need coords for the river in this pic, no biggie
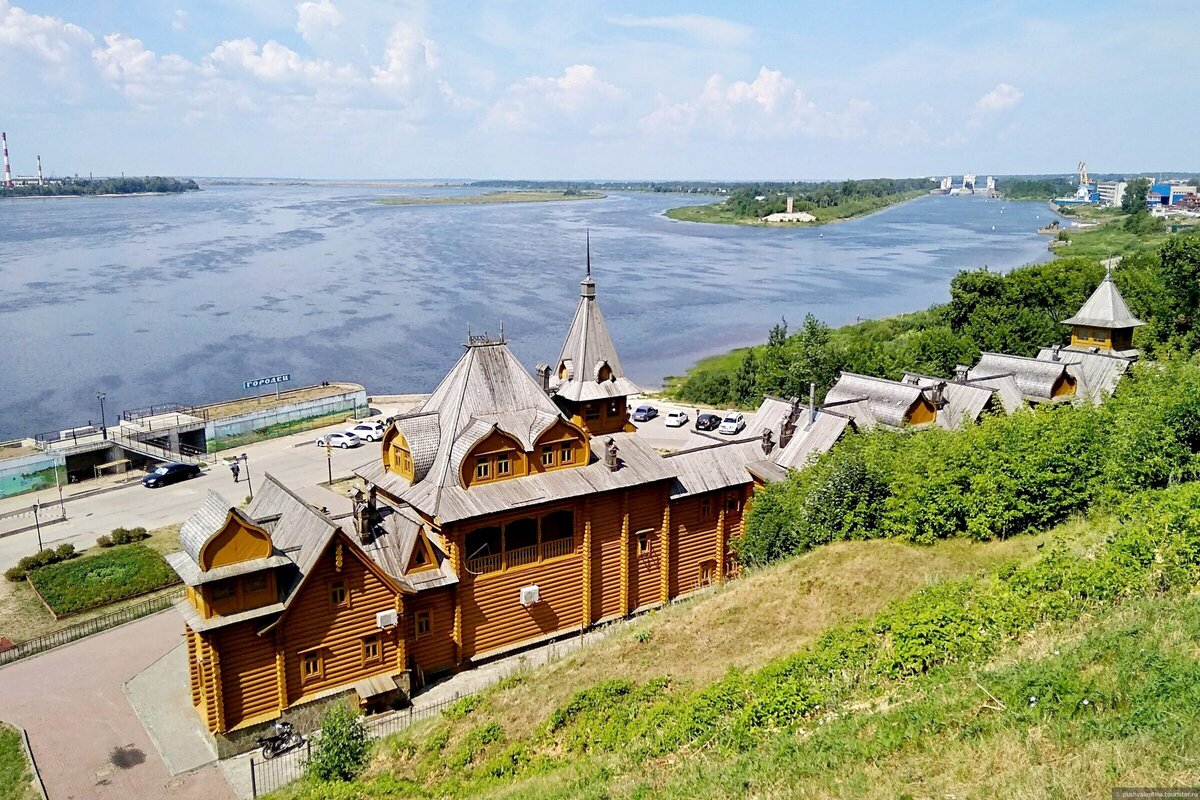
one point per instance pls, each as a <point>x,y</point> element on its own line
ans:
<point>181,298</point>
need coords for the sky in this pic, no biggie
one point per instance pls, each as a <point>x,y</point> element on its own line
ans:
<point>780,90</point>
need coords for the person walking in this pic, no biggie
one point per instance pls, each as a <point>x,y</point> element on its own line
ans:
<point>235,469</point>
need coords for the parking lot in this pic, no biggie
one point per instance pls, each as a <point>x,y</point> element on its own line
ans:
<point>660,437</point>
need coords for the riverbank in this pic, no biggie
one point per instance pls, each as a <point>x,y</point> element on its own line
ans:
<point>720,213</point>
<point>491,198</point>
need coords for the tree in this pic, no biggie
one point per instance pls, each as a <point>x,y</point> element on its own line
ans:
<point>1134,199</point>
<point>342,749</point>
<point>1179,269</point>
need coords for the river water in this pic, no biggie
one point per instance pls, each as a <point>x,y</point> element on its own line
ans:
<point>182,298</point>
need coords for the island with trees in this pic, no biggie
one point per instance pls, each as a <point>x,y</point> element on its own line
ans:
<point>813,203</point>
<point>81,187</point>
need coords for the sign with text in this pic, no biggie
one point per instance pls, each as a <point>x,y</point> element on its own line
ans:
<point>271,381</point>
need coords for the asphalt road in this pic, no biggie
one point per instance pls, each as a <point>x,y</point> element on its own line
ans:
<point>295,460</point>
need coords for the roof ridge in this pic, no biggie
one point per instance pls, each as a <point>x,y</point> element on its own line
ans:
<point>300,500</point>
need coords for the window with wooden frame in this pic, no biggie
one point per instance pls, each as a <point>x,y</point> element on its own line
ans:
<point>406,464</point>
<point>643,541</point>
<point>339,597</point>
<point>548,455</point>
<point>422,624</point>
<point>312,665</point>
<point>614,408</point>
<point>705,507</point>
<point>503,465</point>
<point>733,503</point>
<point>566,453</point>
<point>591,411</point>
<point>708,571</point>
<point>370,649</point>
<point>255,583</point>
<point>483,468</point>
<point>221,590</point>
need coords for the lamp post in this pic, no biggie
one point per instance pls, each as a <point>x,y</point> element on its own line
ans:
<point>37,524</point>
<point>245,459</point>
<point>103,427</point>
<point>329,462</point>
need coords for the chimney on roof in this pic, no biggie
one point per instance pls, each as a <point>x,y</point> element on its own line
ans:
<point>912,380</point>
<point>610,454</point>
<point>960,373</point>
<point>543,373</point>
<point>363,509</point>
<point>939,395</point>
<point>788,429</point>
<point>768,442</point>
<point>1054,356</point>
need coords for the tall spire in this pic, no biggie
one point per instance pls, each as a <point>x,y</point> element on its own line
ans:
<point>587,285</point>
<point>588,234</point>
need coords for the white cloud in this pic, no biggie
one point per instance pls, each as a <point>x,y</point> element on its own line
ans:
<point>713,30</point>
<point>408,59</point>
<point>145,79</point>
<point>1004,97</point>
<point>314,18</point>
<point>179,21</point>
<point>275,63</point>
<point>58,49</point>
<point>770,106</point>
<point>578,99</point>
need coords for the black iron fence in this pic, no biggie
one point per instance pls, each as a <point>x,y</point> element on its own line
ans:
<point>88,627</point>
<point>267,776</point>
<point>138,414</point>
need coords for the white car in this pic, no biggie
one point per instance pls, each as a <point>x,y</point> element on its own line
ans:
<point>677,419</point>
<point>367,431</point>
<point>733,423</point>
<point>340,439</point>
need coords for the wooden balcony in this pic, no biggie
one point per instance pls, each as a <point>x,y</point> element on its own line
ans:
<point>522,556</point>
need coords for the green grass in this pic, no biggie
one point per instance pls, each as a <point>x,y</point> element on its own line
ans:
<point>15,772</point>
<point>277,430</point>
<point>79,584</point>
<point>721,213</point>
<point>722,362</point>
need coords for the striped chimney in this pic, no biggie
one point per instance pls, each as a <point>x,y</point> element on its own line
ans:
<point>40,181</point>
<point>7,171</point>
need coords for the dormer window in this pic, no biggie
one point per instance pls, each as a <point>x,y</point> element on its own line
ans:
<point>548,456</point>
<point>483,468</point>
<point>503,465</point>
<point>566,453</point>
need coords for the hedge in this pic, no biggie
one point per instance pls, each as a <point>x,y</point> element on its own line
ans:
<point>84,583</point>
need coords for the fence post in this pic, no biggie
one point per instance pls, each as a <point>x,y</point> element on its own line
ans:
<point>253,782</point>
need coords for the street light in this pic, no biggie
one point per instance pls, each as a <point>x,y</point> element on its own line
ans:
<point>37,524</point>
<point>245,459</point>
<point>103,428</point>
<point>329,462</point>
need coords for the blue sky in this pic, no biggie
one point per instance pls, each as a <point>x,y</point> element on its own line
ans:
<point>699,90</point>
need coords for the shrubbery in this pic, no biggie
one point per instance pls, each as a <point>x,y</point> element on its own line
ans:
<point>122,536</point>
<point>341,751</point>
<point>42,558</point>
<point>84,583</point>
<point>1008,474</point>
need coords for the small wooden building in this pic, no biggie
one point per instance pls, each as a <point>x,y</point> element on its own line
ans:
<point>895,404</point>
<point>1039,381</point>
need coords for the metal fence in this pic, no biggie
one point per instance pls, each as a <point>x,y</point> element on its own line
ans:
<point>82,629</point>
<point>267,776</point>
<point>138,414</point>
<point>271,423</point>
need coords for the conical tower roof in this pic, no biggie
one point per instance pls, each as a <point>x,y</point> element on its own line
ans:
<point>1105,309</point>
<point>589,357</point>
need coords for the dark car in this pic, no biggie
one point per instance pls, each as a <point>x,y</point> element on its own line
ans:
<point>170,473</point>
<point>707,422</point>
<point>645,413</point>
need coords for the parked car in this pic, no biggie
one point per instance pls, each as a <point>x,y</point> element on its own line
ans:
<point>340,439</point>
<point>677,419</point>
<point>367,431</point>
<point>645,413</point>
<point>170,473</point>
<point>707,422</point>
<point>733,423</point>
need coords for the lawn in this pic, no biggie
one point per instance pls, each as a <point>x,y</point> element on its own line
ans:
<point>117,574</point>
<point>15,774</point>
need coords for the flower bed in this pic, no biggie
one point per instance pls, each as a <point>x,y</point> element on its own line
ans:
<point>84,583</point>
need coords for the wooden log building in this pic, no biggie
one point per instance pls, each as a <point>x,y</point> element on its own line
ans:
<point>504,511</point>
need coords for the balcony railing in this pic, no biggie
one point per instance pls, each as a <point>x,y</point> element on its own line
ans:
<point>558,547</point>
<point>521,556</point>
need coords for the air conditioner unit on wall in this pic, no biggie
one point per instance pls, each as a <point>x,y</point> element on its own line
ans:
<point>530,595</point>
<point>387,619</point>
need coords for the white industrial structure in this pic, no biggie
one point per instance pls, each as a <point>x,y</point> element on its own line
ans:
<point>7,170</point>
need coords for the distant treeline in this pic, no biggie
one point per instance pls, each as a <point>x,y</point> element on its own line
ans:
<point>821,194</point>
<point>760,199</point>
<point>83,186</point>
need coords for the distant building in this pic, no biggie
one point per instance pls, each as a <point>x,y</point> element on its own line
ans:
<point>1111,193</point>
<point>1168,194</point>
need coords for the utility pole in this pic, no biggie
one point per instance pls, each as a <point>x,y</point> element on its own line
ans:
<point>37,524</point>
<point>246,464</point>
<point>329,462</point>
<point>103,426</point>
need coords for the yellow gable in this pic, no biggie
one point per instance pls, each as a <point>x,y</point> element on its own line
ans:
<point>236,542</point>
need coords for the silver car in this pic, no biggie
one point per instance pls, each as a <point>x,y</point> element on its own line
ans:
<point>342,439</point>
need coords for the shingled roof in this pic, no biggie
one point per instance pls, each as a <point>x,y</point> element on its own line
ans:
<point>487,390</point>
<point>1105,309</point>
<point>964,402</point>
<point>586,350</point>
<point>1097,372</point>
<point>889,401</point>
<point>1035,377</point>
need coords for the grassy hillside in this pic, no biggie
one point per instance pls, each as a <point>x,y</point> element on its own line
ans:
<point>724,212</point>
<point>1057,675</point>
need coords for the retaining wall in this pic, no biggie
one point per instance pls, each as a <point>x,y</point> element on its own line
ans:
<point>348,402</point>
<point>31,473</point>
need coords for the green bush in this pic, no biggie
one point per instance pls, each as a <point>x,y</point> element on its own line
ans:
<point>127,535</point>
<point>113,575</point>
<point>342,749</point>
<point>104,540</point>
<point>463,707</point>
<point>14,574</point>
<point>64,551</point>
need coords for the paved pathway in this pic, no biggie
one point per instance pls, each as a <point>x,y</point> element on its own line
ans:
<point>86,739</point>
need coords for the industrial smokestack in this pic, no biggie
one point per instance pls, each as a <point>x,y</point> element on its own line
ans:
<point>7,170</point>
<point>40,181</point>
